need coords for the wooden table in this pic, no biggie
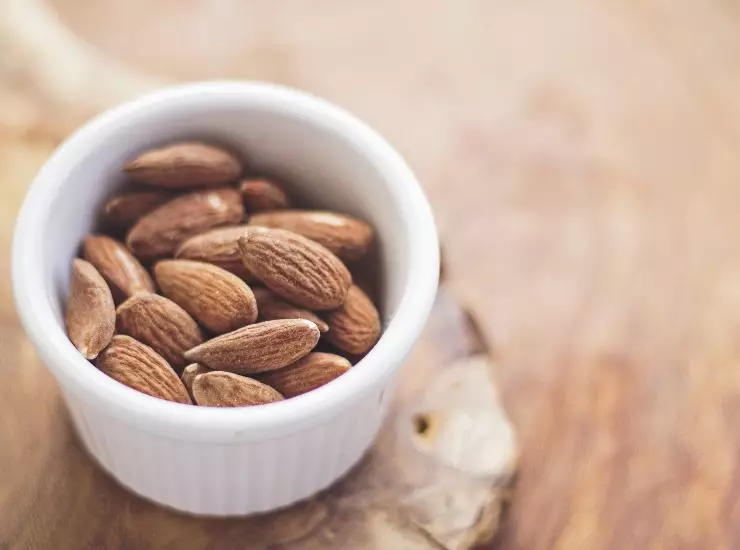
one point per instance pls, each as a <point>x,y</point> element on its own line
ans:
<point>582,159</point>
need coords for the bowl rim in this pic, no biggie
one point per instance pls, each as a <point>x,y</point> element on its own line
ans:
<point>186,421</point>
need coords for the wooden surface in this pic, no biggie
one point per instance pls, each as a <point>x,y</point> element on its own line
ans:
<point>582,160</point>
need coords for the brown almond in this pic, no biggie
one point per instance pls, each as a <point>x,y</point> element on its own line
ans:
<point>224,389</point>
<point>122,211</point>
<point>261,194</point>
<point>217,299</point>
<point>270,307</point>
<point>139,367</point>
<point>355,326</point>
<point>259,347</point>
<point>217,246</point>
<point>123,272</point>
<point>189,373</point>
<point>160,323</point>
<point>309,373</point>
<point>296,268</point>
<point>345,236</point>
<point>184,165</point>
<point>160,232</point>
<point>91,313</point>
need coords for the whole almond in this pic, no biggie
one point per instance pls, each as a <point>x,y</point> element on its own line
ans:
<point>224,389</point>
<point>160,323</point>
<point>355,326</point>
<point>125,275</point>
<point>345,236</point>
<point>261,194</point>
<point>122,211</point>
<point>217,299</point>
<point>189,373</point>
<point>296,268</point>
<point>139,367</point>
<point>160,232</point>
<point>259,347</point>
<point>217,246</point>
<point>270,307</point>
<point>183,165</point>
<point>91,313</point>
<point>309,373</point>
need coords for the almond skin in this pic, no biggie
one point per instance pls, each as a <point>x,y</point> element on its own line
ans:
<point>160,323</point>
<point>270,307</point>
<point>123,272</point>
<point>345,236</point>
<point>189,373</point>
<point>224,389</point>
<point>296,268</point>
<point>184,165</point>
<point>217,299</point>
<point>122,211</point>
<point>160,232</point>
<point>139,367</point>
<point>309,373</point>
<point>256,348</point>
<point>355,326</point>
<point>217,246</point>
<point>91,313</point>
<point>261,194</point>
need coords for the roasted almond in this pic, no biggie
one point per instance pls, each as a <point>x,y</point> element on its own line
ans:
<point>183,165</point>
<point>217,299</point>
<point>160,323</point>
<point>160,232</point>
<point>125,275</point>
<point>259,347</point>
<point>217,246</point>
<point>261,194</point>
<point>270,307</point>
<point>122,211</point>
<point>91,313</point>
<point>354,327</point>
<point>296,268</point>
<point>224,389</point>
<point>345,236</point>
<point>306,374</point>
<point>139,367</point>
<point>189,373</point>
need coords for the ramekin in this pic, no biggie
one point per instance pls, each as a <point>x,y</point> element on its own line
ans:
<point>225,462</point>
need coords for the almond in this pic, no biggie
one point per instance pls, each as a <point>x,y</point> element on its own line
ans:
<point>345,236</point>
<point>261,194</point>
<point>161,324</point>
<point>216,246</point>
<point>296,268</point>
<point>224,389</point>
<point>139,367</point>
<point>260,347</point>
<point>183,165</point>
<point>122,211</point>
<point>91,313</point>
<point>270,307</point>
<point>125,275</point>
<point>161,231</point>
<point>189,373</point>
<point>309,373</point>
<point>355,326</point>
<point>217,299</point>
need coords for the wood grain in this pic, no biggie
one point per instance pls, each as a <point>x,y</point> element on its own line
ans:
<point>582,161</point>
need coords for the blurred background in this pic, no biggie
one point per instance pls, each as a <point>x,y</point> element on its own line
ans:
<point>581,158</point>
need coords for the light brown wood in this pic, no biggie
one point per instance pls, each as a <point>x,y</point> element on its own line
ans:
<point>582,161</point>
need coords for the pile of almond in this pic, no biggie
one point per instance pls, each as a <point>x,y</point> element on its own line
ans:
<point>223,290</point>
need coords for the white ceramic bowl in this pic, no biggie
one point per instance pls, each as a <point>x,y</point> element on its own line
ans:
<point>229,461</point>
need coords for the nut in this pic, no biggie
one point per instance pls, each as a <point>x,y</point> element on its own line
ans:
<point>270,307</point>
<point>123,272</point>
<point>355,326</point>
<point>224,389</point>
<point>261,194</point>
<point>122,211</point>
<point>91,314</point>
<point>306,374</point>
<point>217,246</point>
